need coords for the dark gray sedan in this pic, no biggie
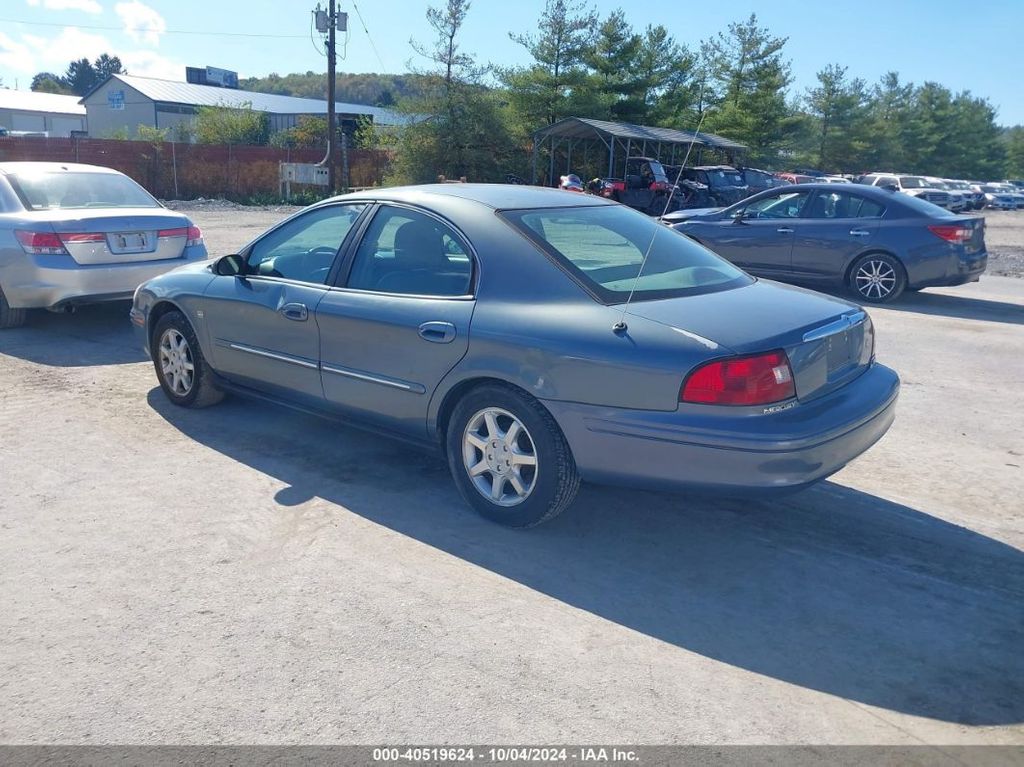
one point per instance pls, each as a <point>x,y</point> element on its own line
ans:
<point>536,337</point>
<point>874,241</point>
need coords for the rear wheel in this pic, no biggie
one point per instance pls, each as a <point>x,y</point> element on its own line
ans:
<point>10,318</point>
<point>877,278</point>
<point>508,457</point>
<point>181,369</point>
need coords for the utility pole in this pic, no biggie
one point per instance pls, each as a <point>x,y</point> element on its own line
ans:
<point>332,119</point>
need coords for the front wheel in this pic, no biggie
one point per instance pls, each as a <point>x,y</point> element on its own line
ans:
<point>181,369</point>
<point>877,278</point>
<point>508,457</point>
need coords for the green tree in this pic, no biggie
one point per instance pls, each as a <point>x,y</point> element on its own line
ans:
<point>231,125</point>
<point>555,85</point>
<point>839,108</point>
<point>1014,139</point>
<point>106,65</point>
<point>464,134</point>
<point>667,71</point>
<point>47,82</point>
<point>888,106</point>
<point>79,77</point>
<point>613,63</point>
<point>982,153</point>
<point>747,85</point>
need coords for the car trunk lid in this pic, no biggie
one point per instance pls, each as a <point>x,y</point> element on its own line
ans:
<point>828,341</point>
<point>125,236</point>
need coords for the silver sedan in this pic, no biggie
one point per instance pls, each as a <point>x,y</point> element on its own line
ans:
<point>73,234</point>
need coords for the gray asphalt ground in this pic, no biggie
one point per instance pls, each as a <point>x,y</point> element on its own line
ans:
<point>248,575</point>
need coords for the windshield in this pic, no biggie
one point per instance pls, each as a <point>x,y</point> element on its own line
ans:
<point>45,191</point>
<point>939,185</point>
<point>603,247</point>
<point>725,178</point>
<point>914,182</point>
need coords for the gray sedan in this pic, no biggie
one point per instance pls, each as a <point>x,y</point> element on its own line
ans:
<point>871,240</point>
<point>535,337</point>
<point>72,234</point>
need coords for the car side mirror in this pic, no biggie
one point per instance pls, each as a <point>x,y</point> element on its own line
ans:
<point>891,187</point>
<point>739,217</point>
<point>229,266</point>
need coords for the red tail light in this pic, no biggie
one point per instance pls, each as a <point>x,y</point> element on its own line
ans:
<point>953,233</point>
<point>83,237</point>
<point>755,380</point>
<point>40,243</point>
<point>192,234</point>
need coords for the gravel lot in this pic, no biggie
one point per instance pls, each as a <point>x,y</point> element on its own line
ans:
<point>248,575</point>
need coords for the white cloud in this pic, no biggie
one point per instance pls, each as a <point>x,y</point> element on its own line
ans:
<point>150,64</point>
<point>53,54</point>
<point>142,23</point>
<point>87,6</point>
<point>15,55</point>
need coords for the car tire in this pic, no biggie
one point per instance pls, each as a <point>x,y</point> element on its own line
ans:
<point>181,368</point>
<point>10,318</point>
<point>877,278</point>
<point>530,477</point>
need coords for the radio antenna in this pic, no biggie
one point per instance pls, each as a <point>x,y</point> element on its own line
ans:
<point>621,326</point>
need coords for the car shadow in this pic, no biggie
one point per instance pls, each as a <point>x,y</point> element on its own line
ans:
<point>942,305</point>
<point>960,307</point>
<point>831,589</point>
<point>96,334</point>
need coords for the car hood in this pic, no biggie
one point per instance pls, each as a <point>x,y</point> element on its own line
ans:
<point>761,316</point>
<point>679,216</point>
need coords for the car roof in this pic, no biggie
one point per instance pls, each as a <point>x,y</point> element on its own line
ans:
<point>497,196</point>
<point>861,189</point>
<point>8,168</point>
<point>714,167</point>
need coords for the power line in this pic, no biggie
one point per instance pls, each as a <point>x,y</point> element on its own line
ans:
<point>383,66</point>
<point>146,30</point>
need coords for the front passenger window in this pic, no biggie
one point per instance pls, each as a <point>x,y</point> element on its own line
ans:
<point>303,248</point>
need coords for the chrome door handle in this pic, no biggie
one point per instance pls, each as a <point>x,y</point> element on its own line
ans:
<point>784,230</point>
<point>860,233</point>
<point>438,332</point>
<point>297,312</point>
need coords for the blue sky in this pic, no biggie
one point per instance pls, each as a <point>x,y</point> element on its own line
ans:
<point>963,45</point>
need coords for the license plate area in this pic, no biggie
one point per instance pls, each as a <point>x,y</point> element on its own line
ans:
<point>839,352</point>
<point>129,242</point>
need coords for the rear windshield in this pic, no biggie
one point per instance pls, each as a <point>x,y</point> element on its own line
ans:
<point>924,207</point>
<point>44,191</point>
<point>603,248</point>
<point>914,182</point>
<point>725,178</point>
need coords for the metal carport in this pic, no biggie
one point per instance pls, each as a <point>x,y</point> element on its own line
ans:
<point>622,140</point>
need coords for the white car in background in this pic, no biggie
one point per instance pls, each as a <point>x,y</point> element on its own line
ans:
<point>73,234</point>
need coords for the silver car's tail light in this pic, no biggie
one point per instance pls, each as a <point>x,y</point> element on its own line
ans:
<point>192,234</point>
<point>41,243</point>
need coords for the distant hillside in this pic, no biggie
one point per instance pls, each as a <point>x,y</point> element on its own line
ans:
<point>369,89</point>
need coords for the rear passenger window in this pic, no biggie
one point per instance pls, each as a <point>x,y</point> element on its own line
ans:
<point>404,251</point>
<point>843,205</point>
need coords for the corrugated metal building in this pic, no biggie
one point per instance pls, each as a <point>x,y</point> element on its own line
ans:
<point>41,112</point>
<point>124,102</point>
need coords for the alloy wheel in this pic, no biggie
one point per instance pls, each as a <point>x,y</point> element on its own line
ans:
<point>875,279</point>
<point>176,362</point>
<point>500,457</point>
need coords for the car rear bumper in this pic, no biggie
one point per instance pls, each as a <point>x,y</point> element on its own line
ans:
<point>961,269</point>
<point>788,449</point>
<point>56,281</point>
